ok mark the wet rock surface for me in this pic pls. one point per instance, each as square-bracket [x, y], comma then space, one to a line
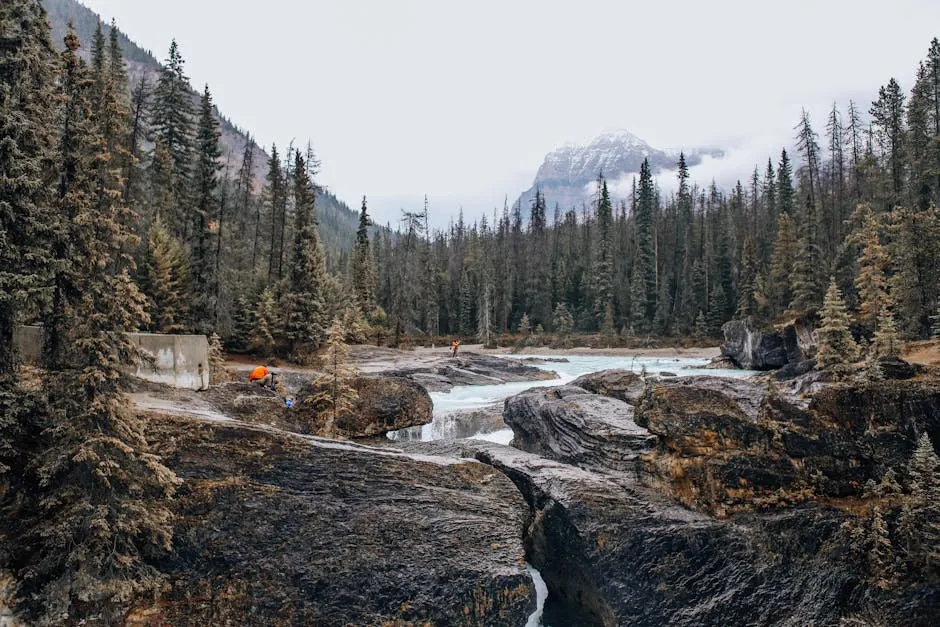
[442, 374]
[569, 424]
[624, 385]
[277, 529]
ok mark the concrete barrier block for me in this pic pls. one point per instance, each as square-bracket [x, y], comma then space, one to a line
[180, 361]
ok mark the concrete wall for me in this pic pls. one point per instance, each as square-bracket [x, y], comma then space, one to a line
[180, 361]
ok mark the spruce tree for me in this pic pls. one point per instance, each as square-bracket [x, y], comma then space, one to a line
[164, 276]
[172, 126]
[562, 322]
[101, 513]
[335, 393]
[303, 305]
[919, 524]
[837, 349]
[887, 341]
[808, 266]
[603, 254]
[717, 305]
[363, 264]
[204, 222]
[871, 283]
[525, 327]
[887, 116]
[264, 322]
[240, 337]
[645, 263]
[747, 283]
[785, 192]
[27, 141]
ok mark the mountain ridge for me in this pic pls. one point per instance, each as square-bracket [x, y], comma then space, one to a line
[567, 172]
[338, 222]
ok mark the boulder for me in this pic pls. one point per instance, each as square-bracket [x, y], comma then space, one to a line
[624, 385]
[897, 368]
[383, 404]
[572, 425]
[277, 529]
[799, 339]
[751, 348]
[795, 369]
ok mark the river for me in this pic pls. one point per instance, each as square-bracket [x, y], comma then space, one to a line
[470, 411]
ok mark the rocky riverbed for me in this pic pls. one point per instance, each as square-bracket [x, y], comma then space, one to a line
[642, 500]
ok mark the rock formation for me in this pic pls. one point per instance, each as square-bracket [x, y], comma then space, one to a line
[278, 529]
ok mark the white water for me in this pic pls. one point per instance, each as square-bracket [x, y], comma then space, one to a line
[469, 397]
[541, 594]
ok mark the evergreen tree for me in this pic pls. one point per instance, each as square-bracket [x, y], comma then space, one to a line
[887, 116]
[217, 371]
[785, 192]
[747, 284]
[101, 511]
[562, 322]
[645, 263]
[717, 305]
[264, 321]
[837, 349]
[355, 330]
[363, 264]
[808, 266]
[303, 306]
[608, 331]
[603, 255]
[525, 327]
[335, 394]
[887, 341]
[871, 283]
[203, 310]
[920, 515]
[28, 66]
[172, 126]
[240, 337]
[484, 311]
[781, 263]
[164, 280]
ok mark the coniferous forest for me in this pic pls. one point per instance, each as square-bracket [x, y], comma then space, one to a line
[120, 212]
[231, 245]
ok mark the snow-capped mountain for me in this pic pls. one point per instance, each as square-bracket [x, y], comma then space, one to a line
[565, 175]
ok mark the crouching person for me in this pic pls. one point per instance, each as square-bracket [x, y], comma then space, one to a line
[262, 376]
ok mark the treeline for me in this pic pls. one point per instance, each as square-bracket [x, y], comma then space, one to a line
[861, 206]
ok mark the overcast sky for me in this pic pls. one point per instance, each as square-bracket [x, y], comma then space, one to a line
[461, 101]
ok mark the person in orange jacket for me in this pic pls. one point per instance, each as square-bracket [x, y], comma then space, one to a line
[454, 346]
[262, 376]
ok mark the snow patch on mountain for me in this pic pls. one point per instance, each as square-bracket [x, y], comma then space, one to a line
[567, 175]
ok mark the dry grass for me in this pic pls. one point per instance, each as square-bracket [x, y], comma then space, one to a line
[926, 353]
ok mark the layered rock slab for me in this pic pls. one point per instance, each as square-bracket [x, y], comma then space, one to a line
[277, 529]
[616, 553]
[571, 425]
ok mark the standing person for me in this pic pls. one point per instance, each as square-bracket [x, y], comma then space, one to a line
[455, 345]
